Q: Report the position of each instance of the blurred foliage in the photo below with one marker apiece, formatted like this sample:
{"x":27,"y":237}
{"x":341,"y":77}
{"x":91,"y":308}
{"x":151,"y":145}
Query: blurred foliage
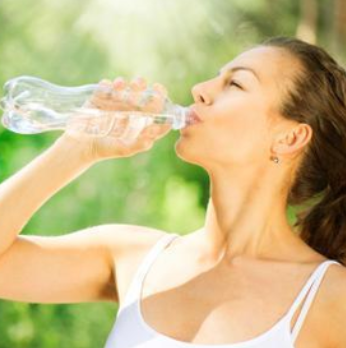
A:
{"x":177,"y":43}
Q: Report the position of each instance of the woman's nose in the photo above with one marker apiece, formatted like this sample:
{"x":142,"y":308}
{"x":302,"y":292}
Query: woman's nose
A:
{"x":200,"y":94}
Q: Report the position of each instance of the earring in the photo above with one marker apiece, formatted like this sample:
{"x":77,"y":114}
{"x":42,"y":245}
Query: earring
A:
{"x":274,"y":159}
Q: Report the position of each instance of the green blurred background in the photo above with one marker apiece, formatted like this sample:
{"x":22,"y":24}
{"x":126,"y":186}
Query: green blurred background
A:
{"x":175,"y":42}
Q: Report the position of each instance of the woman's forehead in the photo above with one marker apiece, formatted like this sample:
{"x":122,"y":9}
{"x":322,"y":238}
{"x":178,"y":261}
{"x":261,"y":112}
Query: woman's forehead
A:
{"x":274,"y":66}
{"x":264,"y":60}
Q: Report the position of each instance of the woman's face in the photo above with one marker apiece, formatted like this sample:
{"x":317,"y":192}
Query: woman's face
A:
{"x":238,"y":108}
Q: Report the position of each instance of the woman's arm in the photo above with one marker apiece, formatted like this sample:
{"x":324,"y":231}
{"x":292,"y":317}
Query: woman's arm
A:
{"x":72,"y":268}
{"x":78,"y":267}
{"x":24,"y":193}
{"x":69,"y":268}
{"x":74,"y":152}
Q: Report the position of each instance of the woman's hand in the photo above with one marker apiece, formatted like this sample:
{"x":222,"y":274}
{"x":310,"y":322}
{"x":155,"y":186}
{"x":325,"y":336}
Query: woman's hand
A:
{"x":125,"y":136}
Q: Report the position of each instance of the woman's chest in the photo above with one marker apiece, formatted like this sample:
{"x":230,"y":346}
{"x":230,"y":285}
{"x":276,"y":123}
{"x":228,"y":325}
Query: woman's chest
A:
{"x":219,"y":305}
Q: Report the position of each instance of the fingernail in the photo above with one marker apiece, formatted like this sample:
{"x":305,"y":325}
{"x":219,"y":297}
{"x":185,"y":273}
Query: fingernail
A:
{"x":140,"y":81}
{"x":160,"y":88}
{"x":119,"y":81}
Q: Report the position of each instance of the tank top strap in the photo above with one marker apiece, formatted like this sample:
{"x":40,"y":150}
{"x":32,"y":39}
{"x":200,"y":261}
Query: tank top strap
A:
{"x":312,"y":284}
{"x":136,"y":283}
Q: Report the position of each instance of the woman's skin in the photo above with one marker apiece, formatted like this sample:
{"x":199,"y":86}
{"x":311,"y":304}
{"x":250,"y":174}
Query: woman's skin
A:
{"x":241,"y":129}
{"x":245,"y":250}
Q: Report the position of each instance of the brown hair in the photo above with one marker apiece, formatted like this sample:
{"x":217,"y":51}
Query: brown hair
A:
{"x":318,"y":98}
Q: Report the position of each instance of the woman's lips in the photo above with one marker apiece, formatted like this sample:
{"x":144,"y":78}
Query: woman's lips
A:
{"x":193,"y":117}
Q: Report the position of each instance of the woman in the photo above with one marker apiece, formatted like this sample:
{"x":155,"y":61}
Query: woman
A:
{"x":272,"y":133}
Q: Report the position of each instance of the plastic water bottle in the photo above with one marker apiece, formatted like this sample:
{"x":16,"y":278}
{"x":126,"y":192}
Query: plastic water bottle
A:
{"x":32,"y":105}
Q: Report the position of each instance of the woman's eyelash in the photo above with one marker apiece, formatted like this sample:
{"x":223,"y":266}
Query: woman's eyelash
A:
{"x":232,"y":82}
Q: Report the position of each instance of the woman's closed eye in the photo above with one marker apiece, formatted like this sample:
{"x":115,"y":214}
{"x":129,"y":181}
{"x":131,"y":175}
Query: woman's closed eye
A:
{"x":235,"y":83}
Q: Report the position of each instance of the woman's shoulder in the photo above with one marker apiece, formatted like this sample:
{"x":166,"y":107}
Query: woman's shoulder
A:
{"x":334,"y":302}
{"x":128,"y":245}
{"x":122,"y":239}
{"x":336,"y":285}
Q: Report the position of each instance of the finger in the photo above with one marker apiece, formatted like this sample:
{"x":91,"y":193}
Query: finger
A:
{"x":158,"y":87}
{"x":135,"y":87}
{"x":149,"y":132}
{"x":119,"y":86}
{"x":153,"y":98}
{"x":102,"y":91}
{"x":138,"y":84}
{"x":163,"y":130}
{"x":119,"y":83}
{"x":119,"y":125}
{"x":133,"y":128}
{"x":104,"y":86}
{"x":144,"y":144}
{"x":142,"y":82}
{"x":156,"y":130}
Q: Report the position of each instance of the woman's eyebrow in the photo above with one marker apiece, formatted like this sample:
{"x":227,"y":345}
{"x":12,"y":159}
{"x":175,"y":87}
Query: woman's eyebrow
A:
{"x":236,"y":68}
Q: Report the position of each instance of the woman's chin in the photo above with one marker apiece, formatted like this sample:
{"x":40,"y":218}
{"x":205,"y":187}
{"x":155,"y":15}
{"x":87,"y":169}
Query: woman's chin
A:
{"x":185,"y":151}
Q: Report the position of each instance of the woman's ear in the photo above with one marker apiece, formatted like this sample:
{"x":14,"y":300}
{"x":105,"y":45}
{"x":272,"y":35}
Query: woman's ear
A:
{"x":293,"y":140}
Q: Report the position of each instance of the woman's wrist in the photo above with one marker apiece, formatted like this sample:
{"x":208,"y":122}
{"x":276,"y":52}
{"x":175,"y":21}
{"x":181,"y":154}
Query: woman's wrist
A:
{"x":76,"y":149}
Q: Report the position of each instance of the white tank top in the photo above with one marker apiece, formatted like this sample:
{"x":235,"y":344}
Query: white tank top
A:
{"x":131,"y":331}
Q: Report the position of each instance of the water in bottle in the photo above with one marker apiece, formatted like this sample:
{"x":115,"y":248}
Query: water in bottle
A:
{"x":32,"y":105}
